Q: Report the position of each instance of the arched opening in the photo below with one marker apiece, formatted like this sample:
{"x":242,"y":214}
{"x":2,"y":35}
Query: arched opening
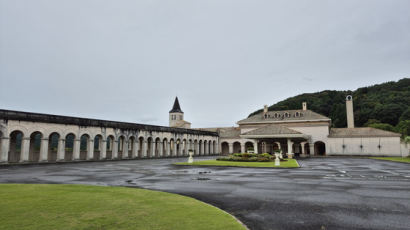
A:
{"x":35,"y":146}
{"x":320,"y":148}
{"x":172,"y":147}
{"x":225,"y":148}
{"x":307,"y":149}
{"x":200,"y":146}
{"x":140,"y":147}
{"x":178,"y":150}
{"x":16,"y":143}
{"x":196,"y":152}
{"x":206,"y":146}
{"x":110,"y":145}
{"x":157,"y":147}
{"x":98,"y":146}
{"x":149,"y":147}
{"x":249,"y":147}
{"x":236,"y":147}
{"x":1,"y":142}
{"x":84,"y":140}
{"x":69,"y":147}
{"x":121,"y":145}
{"x":131,"y":143}
{"x":184,"y":147}
{"x":296,"y":149}
{"x":53,"y":140}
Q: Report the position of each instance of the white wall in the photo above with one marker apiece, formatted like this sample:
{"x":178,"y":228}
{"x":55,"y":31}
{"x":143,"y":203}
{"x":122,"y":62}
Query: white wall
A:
{"x":389,"y":146}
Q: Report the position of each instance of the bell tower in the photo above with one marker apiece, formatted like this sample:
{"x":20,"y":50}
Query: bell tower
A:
{"x":176,"y":115}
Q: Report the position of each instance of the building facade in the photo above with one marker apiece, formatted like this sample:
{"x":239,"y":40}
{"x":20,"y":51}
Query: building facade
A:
{"x":306,"y":133}
{"x":32,"y":137}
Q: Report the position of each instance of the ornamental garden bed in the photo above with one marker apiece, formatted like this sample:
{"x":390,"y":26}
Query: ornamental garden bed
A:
{"x":264,"y":160}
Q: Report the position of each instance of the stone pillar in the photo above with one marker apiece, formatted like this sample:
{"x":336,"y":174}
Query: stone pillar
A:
{"x":179,"y":149}
{"x":76,"y":150}
{"x":168,"y":148}
{"x":144,"y":149}
{"x":44,"y":150}
{"x":302,"y":146}
{"x":255,"y":146}
{"x":61,"y":149}
{"x":161,"y":149}
{"x":115,"y":149}
{"x":25,"y":148}
{"x":186,"y":147}
{"x":197,"y":148}
{"x":290,"y":153}
{"x":311,"y":148}
{"x":90,"y":149}
{"x":103,"y":151}
{"x":217,"y":148}
{"x":230,"y":148}
{"x":4,"y":151}
{"x":125,"y":149}
{"x":243,"y":150}
{"x":134,"y":152}
{"x":152,"y":148}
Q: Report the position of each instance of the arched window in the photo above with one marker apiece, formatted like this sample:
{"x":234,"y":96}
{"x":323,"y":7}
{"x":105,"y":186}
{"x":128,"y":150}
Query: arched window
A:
{"x":287,"y":114}
{"x":297,"y":114}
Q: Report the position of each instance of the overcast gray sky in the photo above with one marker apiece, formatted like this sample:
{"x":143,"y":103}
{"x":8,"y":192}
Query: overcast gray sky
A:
{"x":126,"y":60}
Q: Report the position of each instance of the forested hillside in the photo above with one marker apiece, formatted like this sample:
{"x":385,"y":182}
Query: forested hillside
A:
{"x":383,"y":106}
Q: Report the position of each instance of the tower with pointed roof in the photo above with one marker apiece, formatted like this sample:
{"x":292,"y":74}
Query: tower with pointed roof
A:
{"x":176,"y":116}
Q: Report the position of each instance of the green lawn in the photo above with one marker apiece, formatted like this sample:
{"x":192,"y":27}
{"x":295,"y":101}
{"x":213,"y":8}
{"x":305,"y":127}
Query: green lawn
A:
{"x":96,"y":207}
{"x":398,"y":159}
{"x":291,"y":163}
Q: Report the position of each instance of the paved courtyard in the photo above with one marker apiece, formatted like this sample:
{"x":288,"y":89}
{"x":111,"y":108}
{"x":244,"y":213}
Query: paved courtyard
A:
{"x":326,"y":193}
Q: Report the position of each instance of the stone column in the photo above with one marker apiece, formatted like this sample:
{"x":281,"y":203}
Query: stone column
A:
{"x":230,"y":148}
{"x":103,"y":151}
{"x":125,"y":149}
{"x":180,"y":149}
{"x":243,"y":150}
{"x":197,"y":148}
{"x":168,"y":148}
{"x":302,"y":146}
{"x":186,"y":147}
{"x":255,"y":146}
{"x":44,"y":150}
{"x":161,"y":149}
{"x":152,"y":148}
{"x":290,"y":153}
{"x":90,"y":149}
{"x":134,"y":152}
{"x":206,"y":148}
{"x":217,"y":148}
{"x":4,"y":151}
{"x":311,"y":148}
{"x":25,"y":148}
{"x":61,"y":149}
{"x":76,"y":150}
{"x":144,"y":149}
{"x":115,"y":149}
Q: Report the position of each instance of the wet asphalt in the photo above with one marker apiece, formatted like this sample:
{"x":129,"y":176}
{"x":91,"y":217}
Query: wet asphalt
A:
{"x":325,"y":193}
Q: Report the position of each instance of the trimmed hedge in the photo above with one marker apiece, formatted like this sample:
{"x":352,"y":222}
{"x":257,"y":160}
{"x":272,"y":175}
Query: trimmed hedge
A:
{"x":249,"y":157}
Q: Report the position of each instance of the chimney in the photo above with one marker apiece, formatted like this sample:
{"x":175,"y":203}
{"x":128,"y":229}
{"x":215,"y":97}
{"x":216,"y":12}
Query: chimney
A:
{"x":349,"y":111}
{"x":304,"y":106}
{"x":265,"y":109}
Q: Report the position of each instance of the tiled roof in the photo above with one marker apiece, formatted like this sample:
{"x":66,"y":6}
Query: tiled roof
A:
{"x":272,"y":130}
{"x":361,"y":132}
{"x":280,"y":116}
{"x":225,"y":132}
